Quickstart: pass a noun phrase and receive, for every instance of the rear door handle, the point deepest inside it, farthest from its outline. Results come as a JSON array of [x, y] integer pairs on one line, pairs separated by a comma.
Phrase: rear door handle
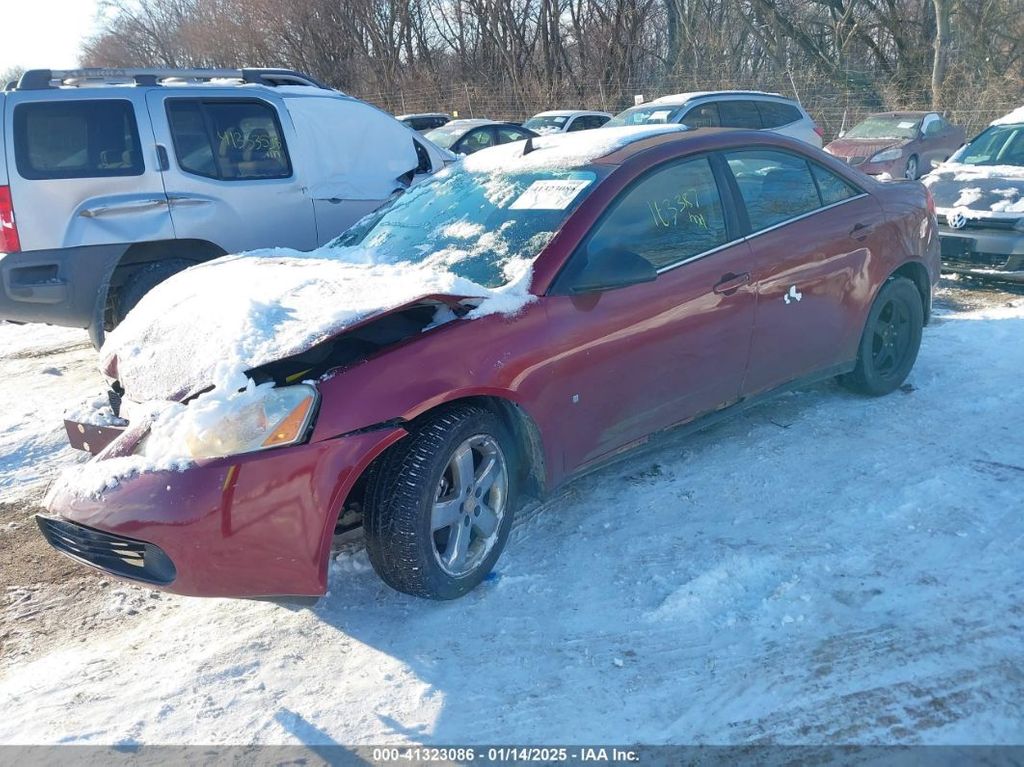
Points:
[[730, 283], [860, 231]]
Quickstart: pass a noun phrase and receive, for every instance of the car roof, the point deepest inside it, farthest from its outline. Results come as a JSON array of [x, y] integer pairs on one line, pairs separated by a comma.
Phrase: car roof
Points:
[[570, 113], [421, 114], [907, 113], [682, 98]]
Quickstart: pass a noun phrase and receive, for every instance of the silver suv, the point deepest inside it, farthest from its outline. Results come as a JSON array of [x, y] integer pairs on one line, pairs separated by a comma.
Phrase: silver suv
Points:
[[112, 180], [726, 109]]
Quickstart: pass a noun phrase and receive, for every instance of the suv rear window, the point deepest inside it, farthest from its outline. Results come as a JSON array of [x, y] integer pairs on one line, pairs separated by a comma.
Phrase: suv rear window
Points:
[[229, 140], [775, 113], [77, 139]]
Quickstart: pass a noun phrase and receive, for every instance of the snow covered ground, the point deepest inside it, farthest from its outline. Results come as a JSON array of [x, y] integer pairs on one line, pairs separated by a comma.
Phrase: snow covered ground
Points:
[[825, 568]]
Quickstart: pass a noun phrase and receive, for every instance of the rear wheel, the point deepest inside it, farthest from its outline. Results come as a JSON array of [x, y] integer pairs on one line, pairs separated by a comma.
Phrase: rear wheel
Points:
[[891, 339], [440, 503]]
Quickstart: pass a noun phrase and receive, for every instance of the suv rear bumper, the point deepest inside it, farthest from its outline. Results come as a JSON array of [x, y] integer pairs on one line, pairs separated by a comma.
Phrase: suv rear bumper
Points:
[[65, 286]]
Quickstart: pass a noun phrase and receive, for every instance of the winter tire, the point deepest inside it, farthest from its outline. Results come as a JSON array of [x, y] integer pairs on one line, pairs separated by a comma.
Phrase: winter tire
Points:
[[440, 503], [143, 281], [891, 339]]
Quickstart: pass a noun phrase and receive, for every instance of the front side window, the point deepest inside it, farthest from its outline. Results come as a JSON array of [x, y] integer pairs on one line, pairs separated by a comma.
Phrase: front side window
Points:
[[475, 140], [702, 116], [234, 140], [77, 139], [739, 114], [831, 187], [671, 215]]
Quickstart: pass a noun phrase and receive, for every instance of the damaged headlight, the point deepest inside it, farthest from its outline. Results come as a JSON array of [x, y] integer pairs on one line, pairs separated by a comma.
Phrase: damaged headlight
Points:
[[255, 419]]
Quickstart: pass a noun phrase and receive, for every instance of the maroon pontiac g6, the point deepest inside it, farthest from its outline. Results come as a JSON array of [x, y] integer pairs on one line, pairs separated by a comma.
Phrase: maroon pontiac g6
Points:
[[675, 274]]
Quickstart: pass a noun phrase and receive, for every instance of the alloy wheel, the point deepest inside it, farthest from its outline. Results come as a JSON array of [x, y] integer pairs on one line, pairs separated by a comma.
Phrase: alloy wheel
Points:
[[469, 505], [890, 338]]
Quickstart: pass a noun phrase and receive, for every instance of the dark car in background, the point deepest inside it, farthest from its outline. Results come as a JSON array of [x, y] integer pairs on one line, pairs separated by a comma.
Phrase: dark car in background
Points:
[[898, 144], [425, 121], [468, 136], [674, 274], [979, 199]]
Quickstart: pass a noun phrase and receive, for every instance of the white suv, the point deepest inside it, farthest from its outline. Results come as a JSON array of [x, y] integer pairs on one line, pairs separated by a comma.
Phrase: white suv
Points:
[[726, 109], [112, 180]]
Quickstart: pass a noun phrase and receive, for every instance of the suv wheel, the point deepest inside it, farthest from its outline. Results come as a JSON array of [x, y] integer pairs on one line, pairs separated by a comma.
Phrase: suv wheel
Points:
[[891, 339], [440, 504], [143, 281], [912, 168]]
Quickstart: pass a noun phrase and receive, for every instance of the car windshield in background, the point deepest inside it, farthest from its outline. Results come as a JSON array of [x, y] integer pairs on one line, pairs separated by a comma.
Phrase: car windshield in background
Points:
[[651, 114], [537, 123], [474, 224], [996, 145], [885, 127]]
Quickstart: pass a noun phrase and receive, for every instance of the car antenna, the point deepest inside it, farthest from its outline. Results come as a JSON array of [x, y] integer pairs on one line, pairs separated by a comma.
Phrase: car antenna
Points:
[[529, 146]]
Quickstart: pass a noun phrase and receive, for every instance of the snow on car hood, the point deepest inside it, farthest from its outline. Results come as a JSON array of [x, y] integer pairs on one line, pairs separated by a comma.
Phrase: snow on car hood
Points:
[[978, 191], [211, 323]]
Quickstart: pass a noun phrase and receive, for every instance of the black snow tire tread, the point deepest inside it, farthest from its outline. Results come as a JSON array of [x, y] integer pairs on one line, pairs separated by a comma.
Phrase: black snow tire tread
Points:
[[143, 281], [400, 488], [863, 379]]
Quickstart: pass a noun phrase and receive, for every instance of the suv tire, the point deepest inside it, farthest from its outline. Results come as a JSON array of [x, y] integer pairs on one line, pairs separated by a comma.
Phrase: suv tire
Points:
[[140, 283]]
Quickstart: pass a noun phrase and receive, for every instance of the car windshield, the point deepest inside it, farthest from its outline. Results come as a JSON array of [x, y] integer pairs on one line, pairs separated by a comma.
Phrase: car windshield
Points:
[[648, 114], [447, 135], [889, 126], [996, 145], [548, 121], [473, 224]]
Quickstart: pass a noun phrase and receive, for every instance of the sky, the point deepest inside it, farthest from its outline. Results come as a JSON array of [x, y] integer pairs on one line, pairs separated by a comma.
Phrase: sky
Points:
[[45, 34]]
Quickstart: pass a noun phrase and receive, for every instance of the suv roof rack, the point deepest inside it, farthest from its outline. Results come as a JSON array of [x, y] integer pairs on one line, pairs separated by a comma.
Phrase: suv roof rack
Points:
[[42, 79]]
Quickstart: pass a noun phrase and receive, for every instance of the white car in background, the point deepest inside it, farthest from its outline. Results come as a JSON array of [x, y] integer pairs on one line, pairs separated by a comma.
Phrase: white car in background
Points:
[[726, 109], [566, 121]]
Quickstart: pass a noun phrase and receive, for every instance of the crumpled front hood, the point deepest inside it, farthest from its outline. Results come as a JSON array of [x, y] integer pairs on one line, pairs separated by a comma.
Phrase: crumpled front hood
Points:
[[990, 191], [210, 324], [863, 147]]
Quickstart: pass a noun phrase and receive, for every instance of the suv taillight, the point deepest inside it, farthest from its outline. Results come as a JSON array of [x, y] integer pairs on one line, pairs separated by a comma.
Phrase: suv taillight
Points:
[[9, 240]]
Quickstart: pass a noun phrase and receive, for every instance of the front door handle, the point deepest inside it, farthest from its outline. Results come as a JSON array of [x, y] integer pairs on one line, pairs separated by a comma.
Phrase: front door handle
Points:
[[730, 283], [861, 231]]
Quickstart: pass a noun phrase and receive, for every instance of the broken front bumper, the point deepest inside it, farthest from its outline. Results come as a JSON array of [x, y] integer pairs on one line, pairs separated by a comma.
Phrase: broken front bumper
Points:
[[983, 252], [254, 525]]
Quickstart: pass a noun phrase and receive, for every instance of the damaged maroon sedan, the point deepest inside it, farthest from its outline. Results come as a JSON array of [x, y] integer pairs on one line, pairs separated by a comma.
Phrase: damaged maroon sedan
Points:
[[529, 314]]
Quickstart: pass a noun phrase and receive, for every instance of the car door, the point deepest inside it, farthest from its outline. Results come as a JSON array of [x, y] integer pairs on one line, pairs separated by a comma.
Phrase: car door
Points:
[[812, 233], [632, 360], [229, 175]]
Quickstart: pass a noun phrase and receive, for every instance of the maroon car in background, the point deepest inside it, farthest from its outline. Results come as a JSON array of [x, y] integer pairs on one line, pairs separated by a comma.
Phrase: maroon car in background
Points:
[[691, 274], [898, 144]]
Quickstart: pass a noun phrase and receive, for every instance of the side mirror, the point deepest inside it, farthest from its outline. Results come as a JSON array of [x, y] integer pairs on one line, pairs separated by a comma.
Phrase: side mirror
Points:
[[935, 163], [613, 268]]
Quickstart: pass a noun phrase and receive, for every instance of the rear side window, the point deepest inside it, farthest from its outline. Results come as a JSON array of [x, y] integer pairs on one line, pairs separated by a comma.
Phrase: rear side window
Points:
[[77, 139], [778, 186], [229, 140], [832, 188], [739, 114], [775, 113], [667, 217]]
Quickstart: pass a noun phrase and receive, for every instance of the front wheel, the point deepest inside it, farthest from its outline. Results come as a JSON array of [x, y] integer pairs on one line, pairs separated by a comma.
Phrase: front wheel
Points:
[[891, 339], [912, 168], [439, 506]]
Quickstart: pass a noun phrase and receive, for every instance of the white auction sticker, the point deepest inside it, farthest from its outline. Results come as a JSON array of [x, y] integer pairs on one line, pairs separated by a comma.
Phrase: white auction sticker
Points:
[[550, 194]]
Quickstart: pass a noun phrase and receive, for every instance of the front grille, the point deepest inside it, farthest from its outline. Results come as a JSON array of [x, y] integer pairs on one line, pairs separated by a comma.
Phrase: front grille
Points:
[[981, 223], [121, 556]]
